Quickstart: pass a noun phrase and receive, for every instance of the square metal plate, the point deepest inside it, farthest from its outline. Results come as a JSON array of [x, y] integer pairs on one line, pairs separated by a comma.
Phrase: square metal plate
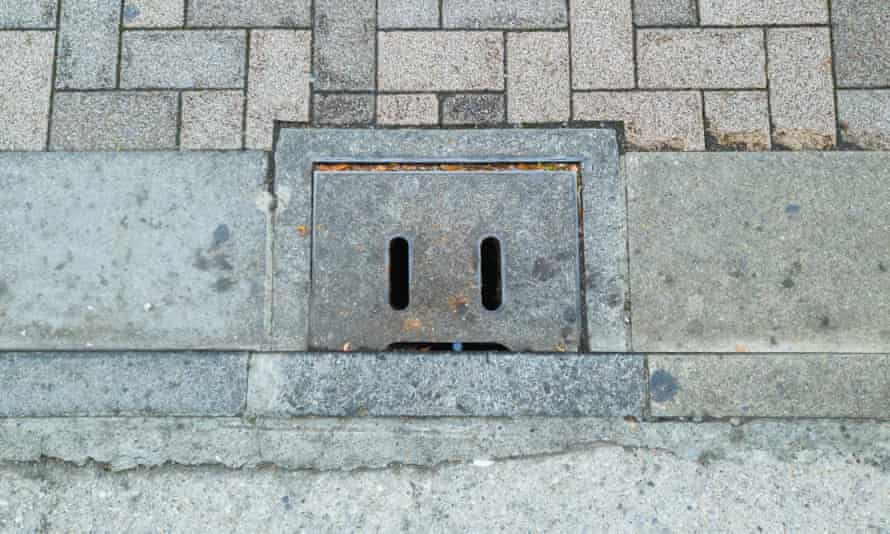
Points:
[[444, 216]]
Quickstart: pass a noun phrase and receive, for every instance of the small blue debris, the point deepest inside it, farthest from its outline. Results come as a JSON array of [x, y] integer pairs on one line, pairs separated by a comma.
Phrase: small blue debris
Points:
[[130, 13], [791, 209], [457, 347]]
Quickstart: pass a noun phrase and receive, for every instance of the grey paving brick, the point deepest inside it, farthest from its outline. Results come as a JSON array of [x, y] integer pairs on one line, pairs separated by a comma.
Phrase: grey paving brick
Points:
[[539, 88], [278, 82], [88, 44], [135, 250], [342, 109], [794, 266], [801, 88], [653, 120], [407, 110], [154, 13], [665, 13], [441, 61], [28, 14], [250, 13], [860, 42], [864, 118], [493, 385], [737, 120], [26, 67], [54, 384], [763, 12], [770, 385], [192, 59], [473, 109], [709, 59], [504, 14], [602, 44], [343, 41], [114, 121], [407, 14], [212, 120]]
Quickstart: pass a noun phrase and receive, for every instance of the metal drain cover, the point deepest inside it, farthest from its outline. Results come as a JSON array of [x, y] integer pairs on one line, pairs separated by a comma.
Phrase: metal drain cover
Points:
[[445, 257]]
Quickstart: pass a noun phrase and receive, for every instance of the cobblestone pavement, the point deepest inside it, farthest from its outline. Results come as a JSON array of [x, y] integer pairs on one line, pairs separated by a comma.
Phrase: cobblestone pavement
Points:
[[217, 74]]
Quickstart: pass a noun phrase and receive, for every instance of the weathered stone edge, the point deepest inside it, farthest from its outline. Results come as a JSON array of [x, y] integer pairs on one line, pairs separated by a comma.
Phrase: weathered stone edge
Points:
[[770, 385], [241, 384]]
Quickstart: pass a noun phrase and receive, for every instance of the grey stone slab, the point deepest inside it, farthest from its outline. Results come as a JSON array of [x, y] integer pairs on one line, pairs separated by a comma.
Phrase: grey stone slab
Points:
[[409, 110], [54, 384], [533, 215], [538, 82], [342, 109], [602, 44], [88, 44], [801, 88], [599, 486], [665, 13], [250, 13], [193, 59], [28, 15], [154, 13], [441, 61], [277, 84], [26, 69], [364, 443], [763, 13], [343, 42], [737, 120], [153, 250], [770, 385], [759, 252], [864, 118], [708, 59], [212, 120], [603, 195], [653, 120], [397, 14], [109, 120], [861, 47], [505, 14], [473, 109], [494, 385]]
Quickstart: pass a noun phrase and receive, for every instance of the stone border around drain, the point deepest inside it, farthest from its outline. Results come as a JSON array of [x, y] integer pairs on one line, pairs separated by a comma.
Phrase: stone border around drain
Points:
[[603, 201]]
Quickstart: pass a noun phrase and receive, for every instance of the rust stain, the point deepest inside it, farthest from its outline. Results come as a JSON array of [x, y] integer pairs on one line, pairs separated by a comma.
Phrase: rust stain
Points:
[[457, 304], [452, 167], [742, 348], [412, 325]]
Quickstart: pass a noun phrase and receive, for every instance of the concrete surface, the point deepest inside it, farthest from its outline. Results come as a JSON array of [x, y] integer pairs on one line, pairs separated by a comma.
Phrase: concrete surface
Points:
[[446, 475], [134, 250], [759, 253]]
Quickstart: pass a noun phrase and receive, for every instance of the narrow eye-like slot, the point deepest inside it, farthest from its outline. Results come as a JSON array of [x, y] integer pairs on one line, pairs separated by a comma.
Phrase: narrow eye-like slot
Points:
[[399, 273], [490, 271]]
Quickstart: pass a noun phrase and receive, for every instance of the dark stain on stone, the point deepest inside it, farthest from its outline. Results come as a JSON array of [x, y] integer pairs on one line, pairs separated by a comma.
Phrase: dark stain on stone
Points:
[[285, 501], [882, 267], [542, 270], [141, 197], [220, 261], [614, 300], [223, 284], [773, 341], [736, 274], [788, 283], [706, 458], [663, 386], [736, 435], [4, 288], [201, 262], [221, 235], [569, 314], [824, 322]]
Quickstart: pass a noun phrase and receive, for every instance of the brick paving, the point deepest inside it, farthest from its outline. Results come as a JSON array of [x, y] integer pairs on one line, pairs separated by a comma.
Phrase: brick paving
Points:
[[682, 75]]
